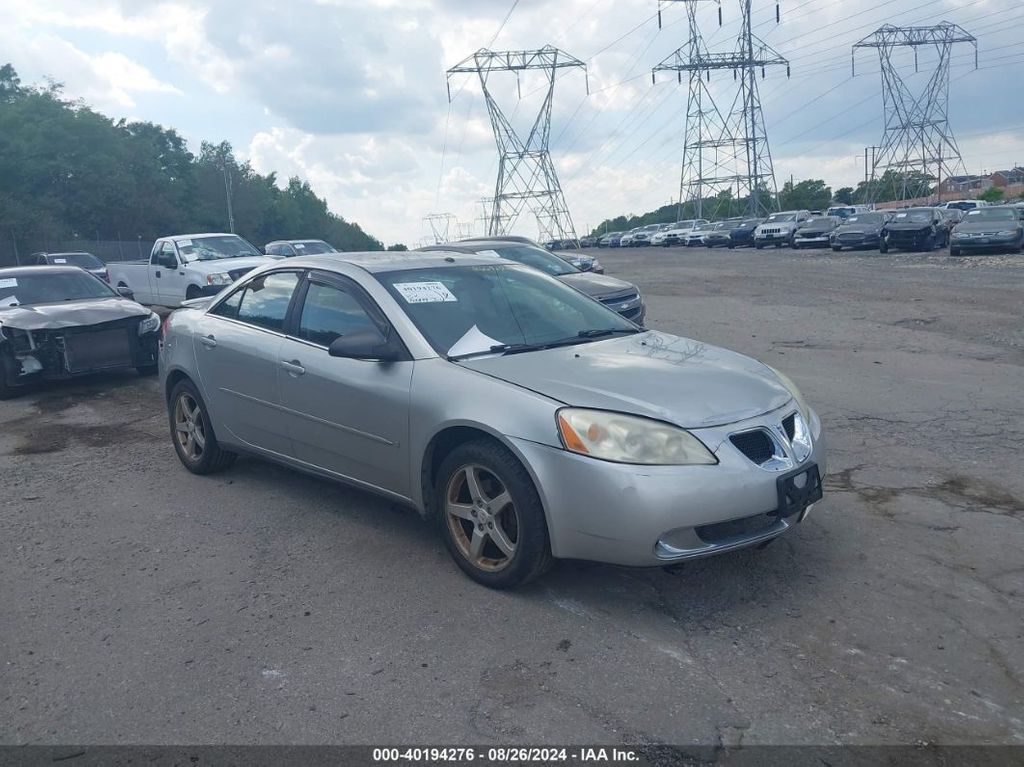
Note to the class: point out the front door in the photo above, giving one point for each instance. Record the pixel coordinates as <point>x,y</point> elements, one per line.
<point>237,347</point>
<point>351,417</point>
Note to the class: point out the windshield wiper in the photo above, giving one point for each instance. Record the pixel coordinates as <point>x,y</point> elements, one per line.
<point>601,332</point>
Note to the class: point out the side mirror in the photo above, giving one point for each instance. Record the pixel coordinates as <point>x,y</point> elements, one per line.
<point>169,262</point>
<point>365,345</point>
<point>125,292</point>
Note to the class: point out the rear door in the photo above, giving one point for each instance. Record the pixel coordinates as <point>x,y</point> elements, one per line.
<point>237,346</point>
<point>351,417</point>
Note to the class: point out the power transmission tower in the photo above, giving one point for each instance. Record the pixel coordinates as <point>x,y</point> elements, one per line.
<point>441,225</point>
<point>526,175</point>
<point>918,147</point>
<point>726,156</point>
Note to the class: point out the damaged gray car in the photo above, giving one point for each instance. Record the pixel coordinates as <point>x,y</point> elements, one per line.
<point>60,322</point>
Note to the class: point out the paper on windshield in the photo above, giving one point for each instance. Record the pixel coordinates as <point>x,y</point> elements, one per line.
<point>9,282</point>
<point>494,253</point>
<point>425,292</point>
<point>901,215</point>
<point>472,342</point>
<point>60,260</point>
<point>9,301</point>
<point>184,243</point>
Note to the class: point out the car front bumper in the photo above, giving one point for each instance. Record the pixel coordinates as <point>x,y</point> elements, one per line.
<point>985,243</point>
<point>855,241</point>
<point>648,516</point>
<point>818,242</point>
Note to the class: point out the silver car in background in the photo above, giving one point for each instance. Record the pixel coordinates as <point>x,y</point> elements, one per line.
<point>528,420</point>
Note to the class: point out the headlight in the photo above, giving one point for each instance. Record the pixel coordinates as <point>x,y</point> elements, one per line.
<point>221,278</point>
<point>960,235</point>
<point>629,439</point>
<point>595,264</point>
<point>801,404</point>
<point>1008,233</point>
<point>149,325</point>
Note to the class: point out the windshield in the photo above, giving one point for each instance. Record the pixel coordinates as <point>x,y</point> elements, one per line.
<point>866,218</point>
<point>775,218</point>
<point>819,223</point>
<point>39,288</point>
<point>312,248</point>
<point>214,248</point>
<point>83,260</point>
<point>919,216</point>
<point>750,223</point>
<point>467,310</point>
<point>991,214</point>
<point>535,257</point>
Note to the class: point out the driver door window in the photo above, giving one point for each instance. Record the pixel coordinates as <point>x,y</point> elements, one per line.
<point>330,312</point>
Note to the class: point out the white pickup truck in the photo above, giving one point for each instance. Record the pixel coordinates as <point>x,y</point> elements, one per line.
<point>186,266</point>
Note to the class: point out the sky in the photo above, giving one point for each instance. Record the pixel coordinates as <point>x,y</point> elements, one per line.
<point>351,95</point>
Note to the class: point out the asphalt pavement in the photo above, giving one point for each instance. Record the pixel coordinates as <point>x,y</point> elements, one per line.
<point>142,604</point>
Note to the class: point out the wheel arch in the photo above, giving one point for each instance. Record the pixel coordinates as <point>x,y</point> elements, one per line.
<point>448,438</point>
<point>174,377</point>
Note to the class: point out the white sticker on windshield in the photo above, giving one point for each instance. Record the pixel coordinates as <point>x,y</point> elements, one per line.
<point>494,253</point>
<point>473,342</point>
<point>9,301</point>
<point>184,243</point>
<point>300,246</point>
<point>425,292</point>
<point>9,282</point>
<point>60,260</point>
<point>901,215</point>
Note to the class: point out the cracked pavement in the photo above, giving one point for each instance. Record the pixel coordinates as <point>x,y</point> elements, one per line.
<point>142,604</point>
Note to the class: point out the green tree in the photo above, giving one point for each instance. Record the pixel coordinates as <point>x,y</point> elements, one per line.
<point>844,196</point>
<point>810,194</point>
<point>67,171</point>
<point>992,194</point>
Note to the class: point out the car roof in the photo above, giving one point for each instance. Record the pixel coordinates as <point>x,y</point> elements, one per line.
<point>295,242</point>
<point>63,253</point>
<point>49,270</point>
<point>380,261</point>
<point>200,235</point>
<point>481,244</point>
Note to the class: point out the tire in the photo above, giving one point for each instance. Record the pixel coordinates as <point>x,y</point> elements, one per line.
<point>147,370</point>
<point>731,247</point>
<point>468,521</point>
<point>193,291</point>
<point>954,251</point>
<point>928,243</point>
<point>883,247</point>
<point>758,246</point>
<point>210,457</point>
<point>837,248</point>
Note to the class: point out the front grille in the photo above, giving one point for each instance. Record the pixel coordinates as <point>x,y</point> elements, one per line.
<point>239,273</point>
<point>755,445</point>
<point>620,298</point>
<point>97,350</point>
<point>747,527</point>
<point>771,230</point>
<point>789,425</point>
<point>851,236</point>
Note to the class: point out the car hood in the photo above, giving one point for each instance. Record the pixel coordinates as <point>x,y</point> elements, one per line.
<point>652,374</point>
<point>230,264</point>
<point>858,229</point>
<point>907,226</point>
<point>988,226</point>
<point>596,284</point>
<point>69,314</point>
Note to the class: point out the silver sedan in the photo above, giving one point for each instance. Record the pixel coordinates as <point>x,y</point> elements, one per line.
<point>528,420</point>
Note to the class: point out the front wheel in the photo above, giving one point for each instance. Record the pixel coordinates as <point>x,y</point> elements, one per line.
<point>883,247</point>
<point>928,243</point>
<point>192,434</point>
<point>836,248</point>
<point>954,251</point>
<point>193,291</point>
<point>491,516</point>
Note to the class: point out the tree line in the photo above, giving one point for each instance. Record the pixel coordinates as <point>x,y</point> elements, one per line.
<point>67,171</point>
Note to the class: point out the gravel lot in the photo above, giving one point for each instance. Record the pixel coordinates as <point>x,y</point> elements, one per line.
<point>141,604</point>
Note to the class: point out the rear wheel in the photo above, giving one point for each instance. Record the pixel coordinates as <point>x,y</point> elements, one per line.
<point>928,243</point>
<point>883,247</point>
<point>193,291</point>
<point>491,516</point>
<point>837,248</point>
<point>192,434</point>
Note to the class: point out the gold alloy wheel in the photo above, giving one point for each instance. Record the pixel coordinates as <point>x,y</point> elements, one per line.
<point>189,427</point>
<point>482,518</point>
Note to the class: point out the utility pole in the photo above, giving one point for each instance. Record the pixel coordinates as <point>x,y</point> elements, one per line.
<point>526,175</point>
<point>724,150</point>
<point>917,145</point>
<point>227,192</point>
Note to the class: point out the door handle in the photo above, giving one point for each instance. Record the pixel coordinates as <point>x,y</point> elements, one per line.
<point>294,368</point>
<point>208,341</point>
<point>158,274</point>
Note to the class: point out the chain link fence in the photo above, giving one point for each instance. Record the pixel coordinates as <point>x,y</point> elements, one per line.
<point>14,251</point>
